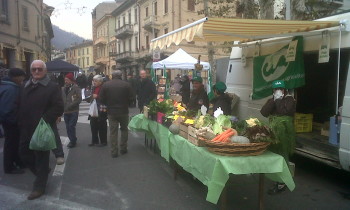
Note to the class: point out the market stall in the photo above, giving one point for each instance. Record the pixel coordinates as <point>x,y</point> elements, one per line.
<point>218,147</point>
<point>212,147</point>
<point>179,60</point>
<point>211,169</point>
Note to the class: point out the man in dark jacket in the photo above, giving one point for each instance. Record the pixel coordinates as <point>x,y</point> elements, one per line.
<point>133,82</point>
<point>146,91</point>
<point>9,94</point>
<point>199,96</point>
<point>185,90</point>
<point>40,98</point>
<point>117,96</point>
<point>280,109</point>
<point>222,99</point>
<point>81,80</point>
<point>71,95</point>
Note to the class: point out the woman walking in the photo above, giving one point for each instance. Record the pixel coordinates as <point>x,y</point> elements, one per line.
<point>98,124</point>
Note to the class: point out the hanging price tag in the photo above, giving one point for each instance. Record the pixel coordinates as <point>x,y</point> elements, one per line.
<point>257,49</point>
<point>244,58</point>
<point>323,52</point>
<point>292,50</point>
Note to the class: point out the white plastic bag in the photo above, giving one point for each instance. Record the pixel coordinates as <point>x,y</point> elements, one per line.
<point>93,111</point>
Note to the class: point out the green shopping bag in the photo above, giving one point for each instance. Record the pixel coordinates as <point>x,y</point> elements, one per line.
<point>43,138</point>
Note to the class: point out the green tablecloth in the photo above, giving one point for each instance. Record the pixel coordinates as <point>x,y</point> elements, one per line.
<point>211,169</point>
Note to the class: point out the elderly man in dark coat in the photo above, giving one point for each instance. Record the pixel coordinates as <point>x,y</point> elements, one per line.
<point>146,90</point>
<point>40,98</point>
<point>117,96</point>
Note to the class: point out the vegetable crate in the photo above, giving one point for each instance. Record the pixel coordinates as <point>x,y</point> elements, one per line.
<point>192,137</point>
<point>183,131</point>
<point>303,122</point>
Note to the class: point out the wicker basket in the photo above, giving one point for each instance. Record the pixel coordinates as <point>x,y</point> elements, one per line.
<point>237,149</point>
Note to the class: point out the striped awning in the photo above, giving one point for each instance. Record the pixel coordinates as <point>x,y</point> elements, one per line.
<point>224,29</point>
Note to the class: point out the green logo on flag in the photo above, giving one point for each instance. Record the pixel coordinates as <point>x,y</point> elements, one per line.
<point>275,66</point>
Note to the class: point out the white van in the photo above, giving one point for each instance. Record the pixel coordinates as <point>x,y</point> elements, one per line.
<point>317,97</point>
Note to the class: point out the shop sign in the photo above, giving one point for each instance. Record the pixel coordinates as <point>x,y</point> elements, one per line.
<point>156,55</point>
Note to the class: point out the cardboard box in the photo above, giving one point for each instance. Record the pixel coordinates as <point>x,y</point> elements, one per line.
<point>325,129</point>
<point>324,132</point>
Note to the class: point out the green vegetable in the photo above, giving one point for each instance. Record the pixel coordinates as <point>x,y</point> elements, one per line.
<point>222,121</point>
<point>164,107</point>
<point>204,121</point>
<point>240,127</point>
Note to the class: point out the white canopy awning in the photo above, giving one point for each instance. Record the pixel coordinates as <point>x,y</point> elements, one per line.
<point>179,60</point>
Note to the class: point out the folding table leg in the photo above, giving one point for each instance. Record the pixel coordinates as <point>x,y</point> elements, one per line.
<point>261,191</point>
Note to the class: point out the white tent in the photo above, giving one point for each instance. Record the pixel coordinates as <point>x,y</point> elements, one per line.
<point>179,60</point>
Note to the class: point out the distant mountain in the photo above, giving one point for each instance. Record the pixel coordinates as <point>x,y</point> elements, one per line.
<point>64,39</point>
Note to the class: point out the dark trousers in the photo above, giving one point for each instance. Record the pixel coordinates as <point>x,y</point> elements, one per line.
<point>114,122</point>
<point>38,163</point>
<point>71,121</point>
<point>99,128</point>
<point>11,147</point>
<point>58,151</point>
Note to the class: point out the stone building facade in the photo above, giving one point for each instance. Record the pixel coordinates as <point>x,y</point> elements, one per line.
<point>81,55</point>
<point>25,32</point>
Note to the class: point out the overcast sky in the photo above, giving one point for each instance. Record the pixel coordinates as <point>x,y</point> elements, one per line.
<point>74,15</point>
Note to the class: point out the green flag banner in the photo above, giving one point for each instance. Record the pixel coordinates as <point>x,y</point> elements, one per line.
<point>153,75</point>
<point>286,64</point>
<point>166,93</point>
<point>210,85</point>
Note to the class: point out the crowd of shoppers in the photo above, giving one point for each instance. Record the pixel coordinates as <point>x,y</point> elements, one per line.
<point>42,96</point>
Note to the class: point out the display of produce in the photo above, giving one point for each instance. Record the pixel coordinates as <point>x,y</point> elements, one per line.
<point>163,106</point>
<point>225,135</point>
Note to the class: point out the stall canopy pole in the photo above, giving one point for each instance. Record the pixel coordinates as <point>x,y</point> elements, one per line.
<point>338,71</point>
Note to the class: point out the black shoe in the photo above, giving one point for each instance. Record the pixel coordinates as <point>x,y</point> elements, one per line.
<point>114,155</point>
<point>123,152</point>
<point>15,171</point>
<point>91,145</point>
<point>71,145</point>
<point>277,188</point>
<point>102,145</point>
<point>35,194</point>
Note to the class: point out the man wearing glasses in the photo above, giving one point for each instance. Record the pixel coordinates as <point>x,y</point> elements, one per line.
<point>40,98</point>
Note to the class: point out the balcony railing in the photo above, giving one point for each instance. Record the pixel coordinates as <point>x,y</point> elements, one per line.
<point>102,60</point>
<point>127,56</point>
<point>124,31</point>
<point>101,40</point>
<point>150,23</point>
